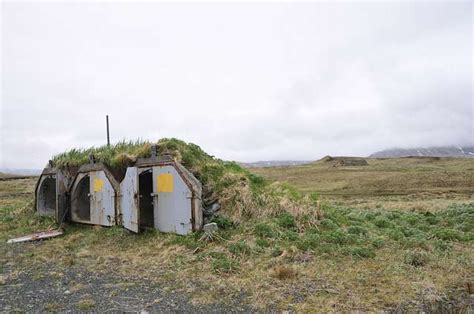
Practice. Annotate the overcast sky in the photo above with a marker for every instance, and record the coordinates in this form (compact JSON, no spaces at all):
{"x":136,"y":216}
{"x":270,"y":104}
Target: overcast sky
{"x":244,"y":81}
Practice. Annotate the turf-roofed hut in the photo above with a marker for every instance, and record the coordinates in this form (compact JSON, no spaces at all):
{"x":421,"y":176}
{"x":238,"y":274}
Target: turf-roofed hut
{"x":176,"y":187}
{"x":126,"y":184}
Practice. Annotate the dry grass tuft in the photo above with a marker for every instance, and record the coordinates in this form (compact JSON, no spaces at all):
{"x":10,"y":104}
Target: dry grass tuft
{"x":283,"y":272}
{"x":52,"y":307}
{"x":85,"y":304}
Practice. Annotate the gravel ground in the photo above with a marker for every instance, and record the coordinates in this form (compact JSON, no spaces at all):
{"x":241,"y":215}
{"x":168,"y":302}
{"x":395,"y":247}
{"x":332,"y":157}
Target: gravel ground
{"x":51,"y":288}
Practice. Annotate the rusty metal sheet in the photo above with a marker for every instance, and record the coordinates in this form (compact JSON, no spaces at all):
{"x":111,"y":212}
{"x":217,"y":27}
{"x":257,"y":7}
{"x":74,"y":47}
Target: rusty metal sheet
{"x":129,"y":200}
{"x":37,"y":236}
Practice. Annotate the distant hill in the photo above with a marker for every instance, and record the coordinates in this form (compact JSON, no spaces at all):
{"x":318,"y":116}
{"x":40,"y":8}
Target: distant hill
{"x":443,"y":151}
{"x":273,"y":163}
{"x":343,"y":161}
{"x":21,"y":172}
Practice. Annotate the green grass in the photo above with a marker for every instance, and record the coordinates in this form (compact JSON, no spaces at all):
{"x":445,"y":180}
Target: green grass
{"x":115,"y":156}
{"x":348,"y":245}
{"x":398,"y":183}
{"x":239,"y":248}
{"x":366,"y":257}
{"x":355,"y":232}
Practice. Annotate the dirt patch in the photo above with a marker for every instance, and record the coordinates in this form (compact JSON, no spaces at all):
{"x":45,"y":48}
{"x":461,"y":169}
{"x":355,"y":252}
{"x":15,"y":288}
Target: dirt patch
{"x":456,"y":300}
{"x":54,"y":288}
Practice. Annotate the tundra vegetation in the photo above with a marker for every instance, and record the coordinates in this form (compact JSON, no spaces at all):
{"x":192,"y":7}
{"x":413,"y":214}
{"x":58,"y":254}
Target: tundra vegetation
{"x":289,"y":238}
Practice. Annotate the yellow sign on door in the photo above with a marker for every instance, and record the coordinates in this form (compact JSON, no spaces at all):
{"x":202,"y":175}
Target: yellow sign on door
{"x":98,"y":185}
{"x":165,"y":183}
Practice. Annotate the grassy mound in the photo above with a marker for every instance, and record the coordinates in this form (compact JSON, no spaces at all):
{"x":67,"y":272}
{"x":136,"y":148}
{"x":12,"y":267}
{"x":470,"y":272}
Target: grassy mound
{"x":241,"y":194}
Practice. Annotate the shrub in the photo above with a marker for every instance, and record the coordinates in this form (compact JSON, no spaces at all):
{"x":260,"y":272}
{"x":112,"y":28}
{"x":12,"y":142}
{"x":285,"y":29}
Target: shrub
{"x":468,"y":237}
{"x":223,"y":222}
{"x":393,"y":215}
{"x":327,"y":248}
{"x":276,"y":251}
{"x":312,"y":230}
{"x":432,"y":220}
{"x":466,"y":226}
{"x":313,"y":196}
{"x":370,"y":216}
{"x":263,"y":230}
{"x":286,"y":220}
{"x":415,"y":241}
{"x":448,"y":234}
{"x":396,"y":234}
{"x":357,"y":230}
{"x":337,"y":215}
{"x":223,"y":264}
{"x":356,"y":216}
{"x":363,"y":252}
{"x":416,"y":258}
{"x":240,"y":248}
{"x":378,"y":243}
{"x":292,"y":192}
{"x":336,"y":237}
{"x":189,"y":241}
{"x":309,"y":242}
{"x":290,"y":235}
{"x":262,"y":242}
{"x":442,"y":246}
{"x":458,"y":214}
{"x":412,"y":219}
{"x":328,"y":224}
{"x":383,"y":222}
{"x":407,"y":231}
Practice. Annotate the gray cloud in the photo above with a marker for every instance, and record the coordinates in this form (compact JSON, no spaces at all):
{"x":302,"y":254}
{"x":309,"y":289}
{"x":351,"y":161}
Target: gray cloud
{"x":244,"y":81}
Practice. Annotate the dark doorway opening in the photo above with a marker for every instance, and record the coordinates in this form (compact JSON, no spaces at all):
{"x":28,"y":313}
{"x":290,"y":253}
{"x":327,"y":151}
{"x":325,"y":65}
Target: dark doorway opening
{"x":47,"y":196}
{"x":81,"y":203}
{"x":145,"y":188}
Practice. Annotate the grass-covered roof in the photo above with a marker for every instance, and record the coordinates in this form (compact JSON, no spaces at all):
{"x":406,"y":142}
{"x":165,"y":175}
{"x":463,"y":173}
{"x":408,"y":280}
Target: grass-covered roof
{"x":241,"y":193}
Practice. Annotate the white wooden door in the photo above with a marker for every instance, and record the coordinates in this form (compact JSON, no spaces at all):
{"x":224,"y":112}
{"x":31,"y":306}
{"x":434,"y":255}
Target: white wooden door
{"x":129,"y":201}
{"x":102,"y":199}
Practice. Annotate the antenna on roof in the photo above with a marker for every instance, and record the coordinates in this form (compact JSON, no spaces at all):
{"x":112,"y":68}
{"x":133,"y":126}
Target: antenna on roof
{"x":107,"y":122}
{"x":154,"y":151}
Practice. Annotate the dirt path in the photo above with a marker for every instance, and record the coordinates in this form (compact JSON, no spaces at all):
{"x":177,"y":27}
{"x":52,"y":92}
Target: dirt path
{"x":53,"y":288}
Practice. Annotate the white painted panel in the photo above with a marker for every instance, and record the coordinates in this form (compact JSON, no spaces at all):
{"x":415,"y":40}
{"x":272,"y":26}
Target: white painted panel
{"x":172,"y":207}
{"x":102,"y":199}
{"x":129,"y":200}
